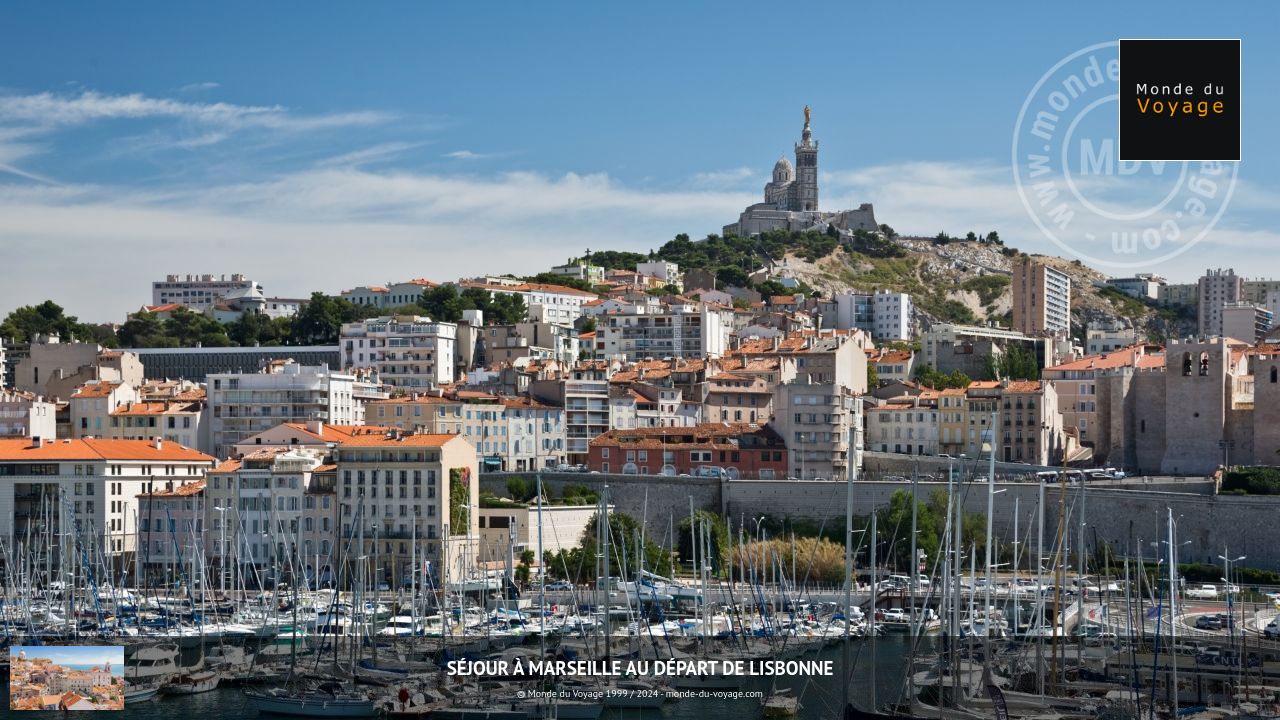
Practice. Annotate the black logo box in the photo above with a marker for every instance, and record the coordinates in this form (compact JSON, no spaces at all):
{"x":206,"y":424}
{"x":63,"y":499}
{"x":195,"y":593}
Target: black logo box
{"x":1187,"y":69}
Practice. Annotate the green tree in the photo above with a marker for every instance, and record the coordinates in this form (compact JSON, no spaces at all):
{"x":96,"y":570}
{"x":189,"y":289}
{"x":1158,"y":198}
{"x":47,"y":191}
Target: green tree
{"x":141,"y":330}
{"x":894,"y":526}
{"x":873,"y":377}
{"x":521,"y":488}
{"x":1015,"y":363}
{"x":550,"y":278}
{"x":442,"y":303}
{"x":719,"y":539}
{"x":47,"y":318}
{"x":189,"y":328}
{"x":320,"y":321}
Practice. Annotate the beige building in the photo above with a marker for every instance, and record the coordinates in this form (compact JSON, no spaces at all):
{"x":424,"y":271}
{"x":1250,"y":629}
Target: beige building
{"x":737,"y":398}
{"x":1030,"y":424}
{"x":1041,"y":298}
{"x":55,"y":369}
{"x":1085,"y":405}
{"x":1215,"y":289}
{"x":816,"y":421}
{"x":393,"y":486}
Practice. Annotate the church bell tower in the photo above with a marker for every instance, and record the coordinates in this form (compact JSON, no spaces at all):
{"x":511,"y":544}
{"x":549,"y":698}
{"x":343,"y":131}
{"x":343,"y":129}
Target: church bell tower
{"x":806,"y":183}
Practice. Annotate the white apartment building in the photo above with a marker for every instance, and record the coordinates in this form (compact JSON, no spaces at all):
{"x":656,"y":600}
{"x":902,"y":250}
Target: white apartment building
{"x":667,"y":272}
{"x":24,"y":414}
{"x":508,"y":433}
{"x":245,"y":404}
{"x":692,"y":330}
{"x":907,"y":425}
{"x":255,"y":509}
{"x":1101,"y":338}
{"x":92,"y":482}
{"x":405,"y":351}
{"x":198,"y":292}
{"x":891,"y":313}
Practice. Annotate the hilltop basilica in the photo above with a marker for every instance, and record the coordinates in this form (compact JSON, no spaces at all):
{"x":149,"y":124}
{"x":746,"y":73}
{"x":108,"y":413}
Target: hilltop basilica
{"x":791,"y":198}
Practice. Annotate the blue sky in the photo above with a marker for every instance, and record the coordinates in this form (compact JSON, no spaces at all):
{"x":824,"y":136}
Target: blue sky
{"x":73,"y":655}
{"x":323,"y":146}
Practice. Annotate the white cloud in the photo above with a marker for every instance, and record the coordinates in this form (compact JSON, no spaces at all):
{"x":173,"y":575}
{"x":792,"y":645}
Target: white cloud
{"x":365,"y":156}
{"x":469,"y":155}
{"x":51,"y":110}
{"x":198,"y":87}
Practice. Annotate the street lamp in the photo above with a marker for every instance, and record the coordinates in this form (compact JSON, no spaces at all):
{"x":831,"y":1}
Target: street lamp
{"x":1226,"y":579}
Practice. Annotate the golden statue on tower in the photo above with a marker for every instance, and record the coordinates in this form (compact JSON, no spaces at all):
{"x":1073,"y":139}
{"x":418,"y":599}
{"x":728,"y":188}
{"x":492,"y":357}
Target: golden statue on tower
{"x":806,"y":114}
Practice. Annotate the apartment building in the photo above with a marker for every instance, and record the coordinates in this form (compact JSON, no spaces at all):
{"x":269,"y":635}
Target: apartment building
{"x":170,"y":532}
{"x":1245,"y":321}
{"x":816,"y":421}
{"x":907,"y":424}
{"x":393,"y":487}
{"x":1041,"y":298}
{"x":50,"y":486}
{"x":1144,"y":286}
{"x":681,"y":329}
{"x":24,"y":414}
{"x":494,"y":346}
{"x":819,"y":356}
{"x":405,"y":351}
{"x":255,"y":509}
{"x":1215,"y":290}
{"x":508,"y":433}
{"x":584,"y":394}
{"x":242,"y":405}
{"x":737,"y":398}
{"x":1030,"y":427}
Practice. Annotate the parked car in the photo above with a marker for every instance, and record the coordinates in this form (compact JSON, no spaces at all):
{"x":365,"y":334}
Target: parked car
{"x":895,"y":615}
{"x":559,"y":585}
{"x":1272,"y":630}
{"x":1208,"y":622}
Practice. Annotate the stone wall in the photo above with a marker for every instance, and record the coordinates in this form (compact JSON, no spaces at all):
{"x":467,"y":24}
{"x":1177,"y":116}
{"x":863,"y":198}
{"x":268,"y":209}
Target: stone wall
{"x":1127,"y":516}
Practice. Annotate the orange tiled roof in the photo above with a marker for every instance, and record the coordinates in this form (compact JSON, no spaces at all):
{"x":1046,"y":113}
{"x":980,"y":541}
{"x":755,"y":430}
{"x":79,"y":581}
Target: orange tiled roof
{"x":1023,"y":386}
{"x":98,"y":449}
{"x":183,"y":490}
{"x":95,"y":390}
{"x":166,"y":307}
{"x":1124,"y":357}
{"x":153,"y":408}
{"x":340,"y":433}
{"x":227,"y":466}
{"x":894,"y":356}
{"x":397,"y":440}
